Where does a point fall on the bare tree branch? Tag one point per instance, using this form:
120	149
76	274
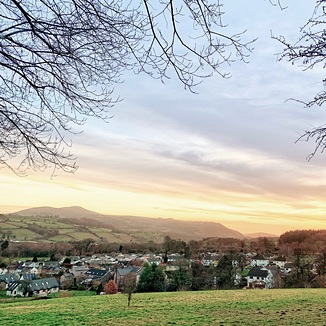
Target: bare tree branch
59	61
309	51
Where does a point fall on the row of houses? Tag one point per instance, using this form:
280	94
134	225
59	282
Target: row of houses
42	278
39	287
265	273
257	270
33	280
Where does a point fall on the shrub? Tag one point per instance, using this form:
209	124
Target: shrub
64	294
111	287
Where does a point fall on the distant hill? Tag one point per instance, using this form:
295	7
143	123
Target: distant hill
70	212
77	222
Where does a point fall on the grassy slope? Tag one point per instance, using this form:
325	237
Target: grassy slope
17	227
252	307
30	228
186	230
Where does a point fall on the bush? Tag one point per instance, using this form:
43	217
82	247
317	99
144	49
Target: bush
111	287
64	294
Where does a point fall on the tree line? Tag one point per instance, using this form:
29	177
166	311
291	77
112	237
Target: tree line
305	249
309	241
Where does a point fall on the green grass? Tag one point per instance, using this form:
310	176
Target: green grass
82	235
108	236
123	237
96	230
61	237
24	234
147	236
69	229
104	233
243	307
8	225
65	230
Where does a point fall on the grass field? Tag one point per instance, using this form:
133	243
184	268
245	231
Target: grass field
21	228
243	307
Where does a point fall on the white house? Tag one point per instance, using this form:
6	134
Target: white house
279	261
259	261
259	277
79	270
207	260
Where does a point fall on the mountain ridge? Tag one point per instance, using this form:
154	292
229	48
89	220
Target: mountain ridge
185	230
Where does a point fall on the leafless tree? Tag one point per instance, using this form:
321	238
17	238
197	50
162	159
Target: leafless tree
310	52
130	285
59	61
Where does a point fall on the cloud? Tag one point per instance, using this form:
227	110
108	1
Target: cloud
225	153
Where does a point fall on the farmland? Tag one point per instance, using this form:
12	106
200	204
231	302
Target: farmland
55	229
48	224
238	307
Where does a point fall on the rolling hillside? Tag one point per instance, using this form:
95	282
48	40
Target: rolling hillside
76	223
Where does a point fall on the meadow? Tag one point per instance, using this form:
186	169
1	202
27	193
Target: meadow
235	307
37	228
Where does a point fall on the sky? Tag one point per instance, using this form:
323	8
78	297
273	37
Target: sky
226	154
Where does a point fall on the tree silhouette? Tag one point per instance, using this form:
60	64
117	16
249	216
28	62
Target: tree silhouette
309	52
59	62
4	245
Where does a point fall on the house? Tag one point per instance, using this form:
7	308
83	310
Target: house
122	273
120	258
67	280
39	287
210	259
288	267
96	273
5	279
27	276
153	260
175	261
279	261
28	268
174	258
93	277
259	277
259	260
3	270
79	270
50	269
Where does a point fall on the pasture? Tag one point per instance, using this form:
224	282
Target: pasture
236	307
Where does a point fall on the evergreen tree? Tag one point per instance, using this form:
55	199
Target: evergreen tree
152	279
180	280
224	274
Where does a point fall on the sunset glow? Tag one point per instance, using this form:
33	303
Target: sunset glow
227	154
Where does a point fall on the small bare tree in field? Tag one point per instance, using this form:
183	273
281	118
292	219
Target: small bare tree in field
130	285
